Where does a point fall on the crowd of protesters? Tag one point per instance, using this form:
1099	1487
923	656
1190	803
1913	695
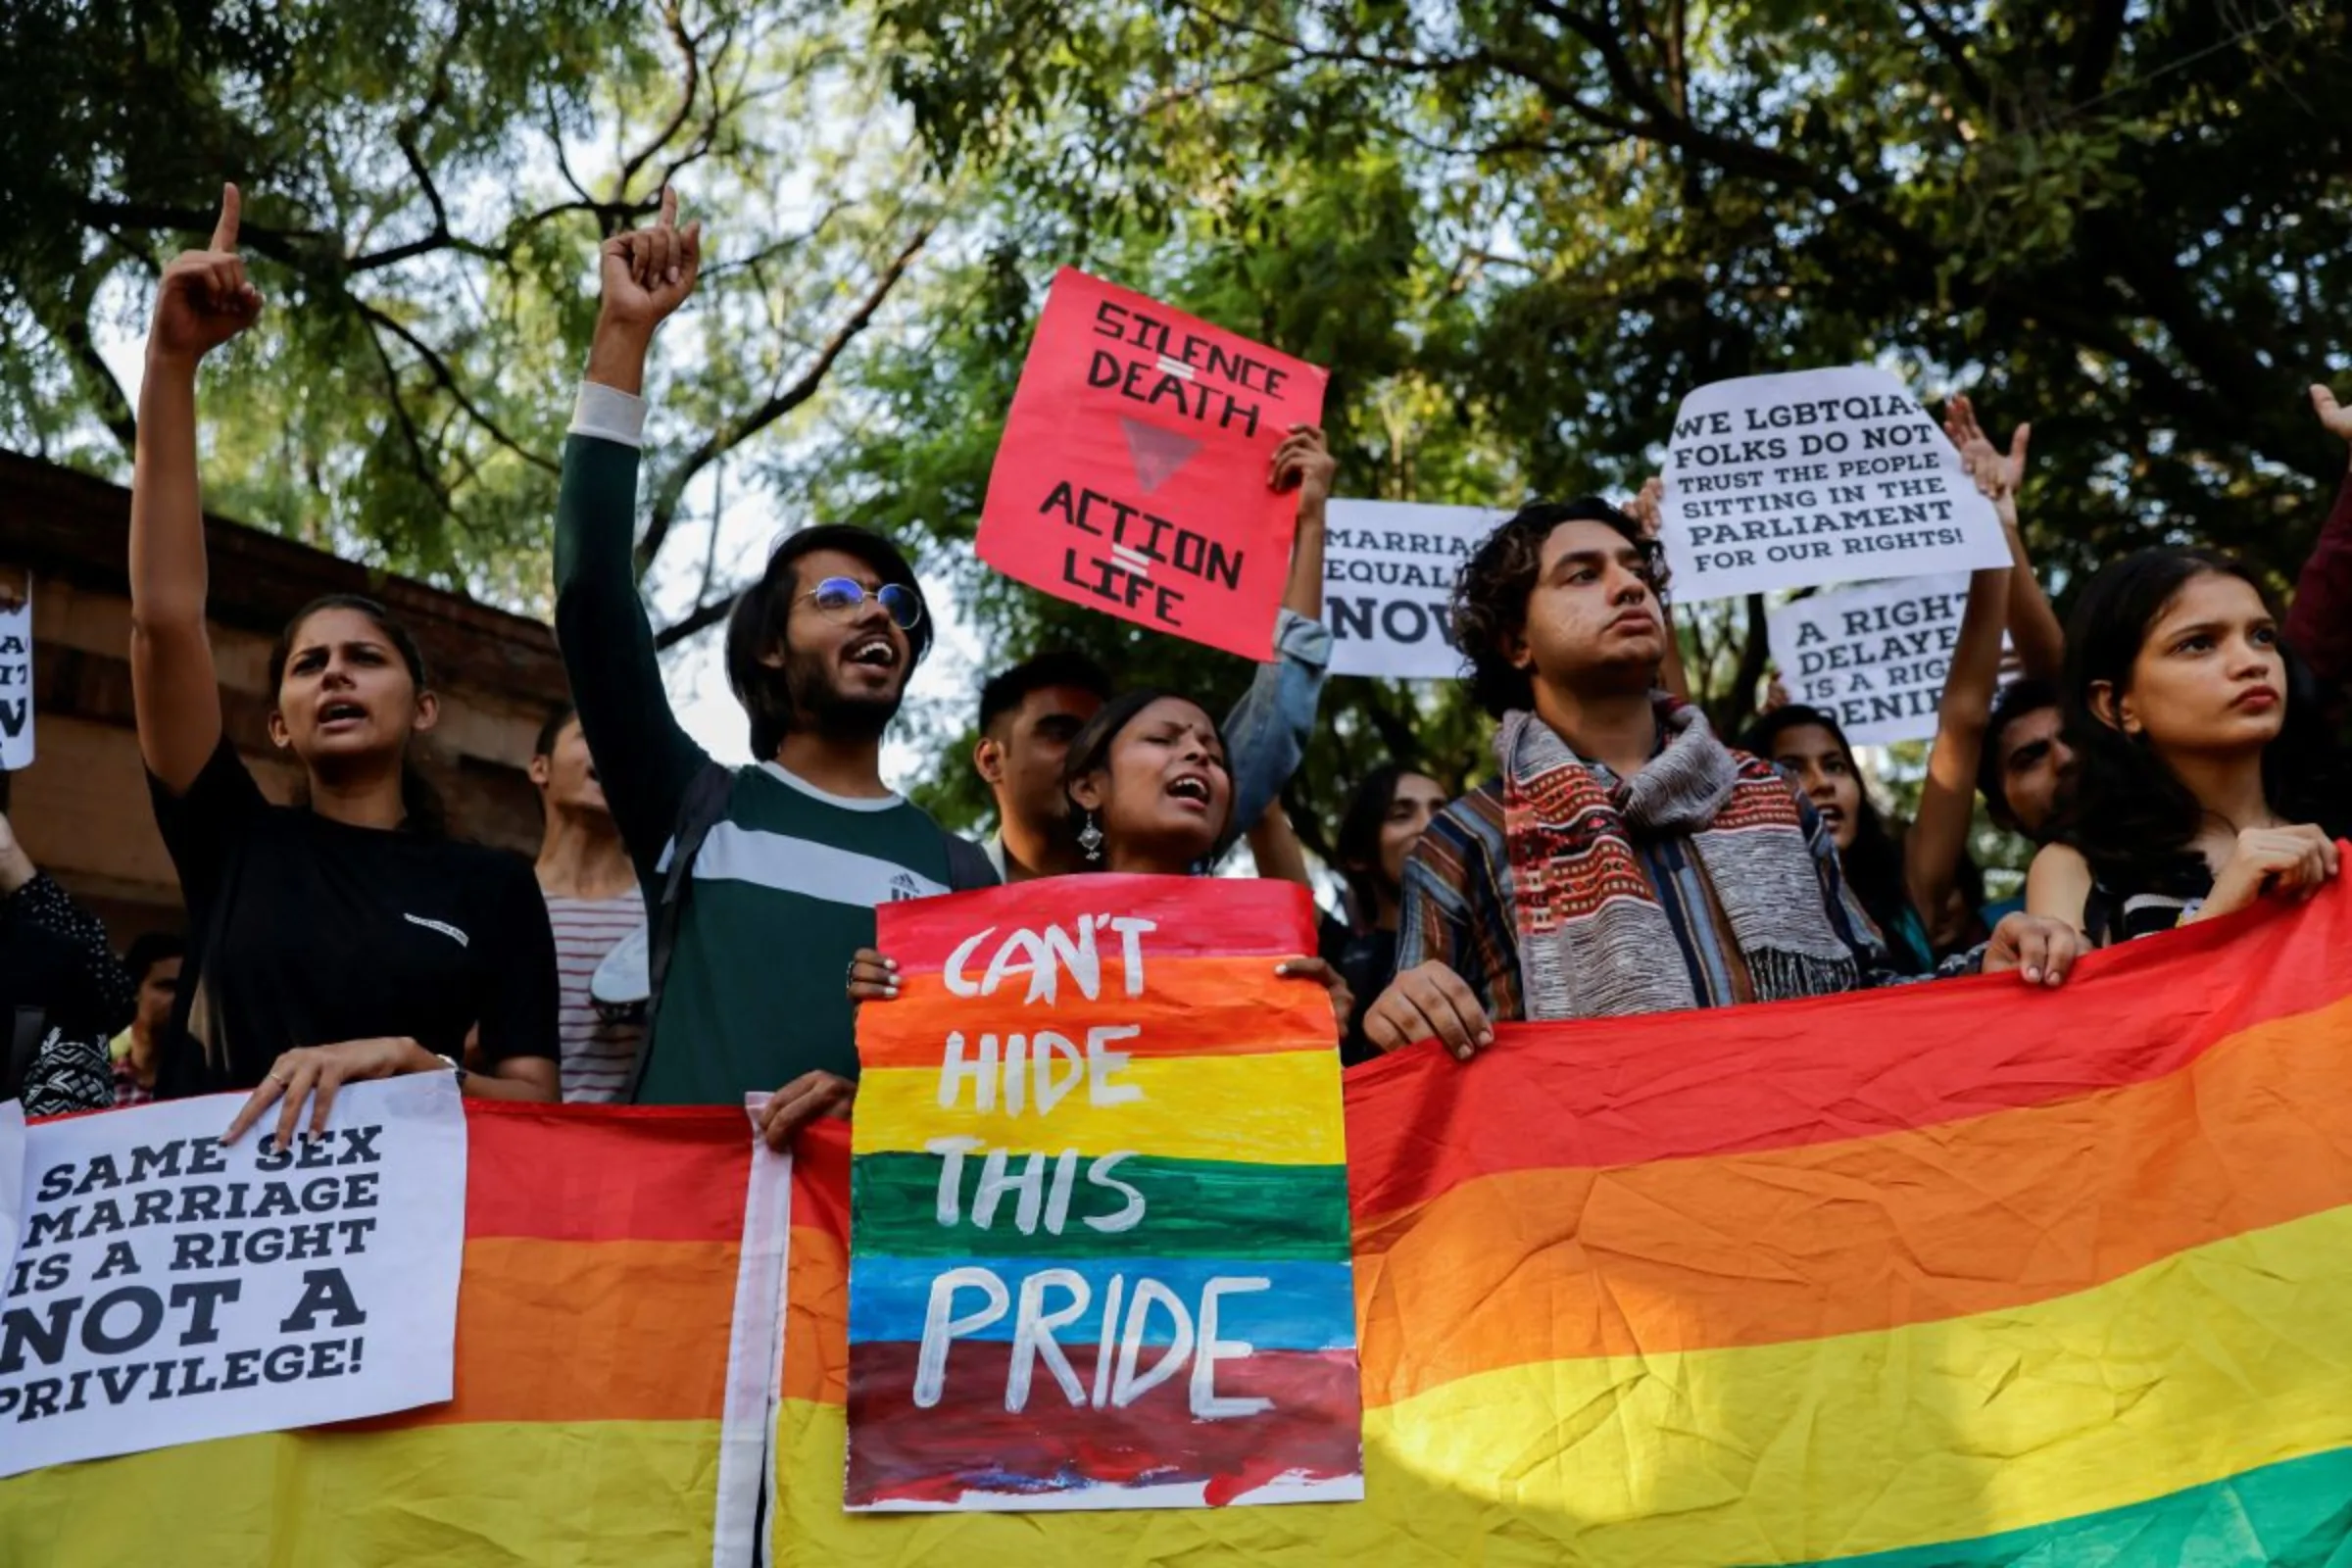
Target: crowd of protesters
2173	754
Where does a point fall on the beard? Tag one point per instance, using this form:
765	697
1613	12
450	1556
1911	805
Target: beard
820	704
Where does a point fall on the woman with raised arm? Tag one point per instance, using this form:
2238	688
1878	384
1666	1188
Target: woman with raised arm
348	936
2204	778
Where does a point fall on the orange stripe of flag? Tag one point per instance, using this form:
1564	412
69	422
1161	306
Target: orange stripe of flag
1197	1007
2002	1210
588	1331
817	1318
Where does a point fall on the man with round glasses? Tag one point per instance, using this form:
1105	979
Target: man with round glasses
761	881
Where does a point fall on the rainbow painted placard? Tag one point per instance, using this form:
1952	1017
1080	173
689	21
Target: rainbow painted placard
1100	1207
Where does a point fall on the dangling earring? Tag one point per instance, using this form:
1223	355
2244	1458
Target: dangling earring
1090	839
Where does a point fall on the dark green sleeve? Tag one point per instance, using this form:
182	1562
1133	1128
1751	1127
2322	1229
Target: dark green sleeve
643	758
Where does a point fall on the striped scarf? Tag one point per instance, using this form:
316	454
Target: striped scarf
1593	941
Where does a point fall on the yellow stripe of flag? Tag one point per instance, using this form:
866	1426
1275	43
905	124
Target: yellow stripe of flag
1783	1454
1186	1108
484	1495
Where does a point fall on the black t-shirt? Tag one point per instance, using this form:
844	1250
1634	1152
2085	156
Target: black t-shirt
306	932
1367	961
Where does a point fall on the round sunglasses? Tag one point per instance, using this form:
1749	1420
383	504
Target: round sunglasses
843	596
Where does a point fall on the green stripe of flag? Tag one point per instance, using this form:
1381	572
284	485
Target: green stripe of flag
2296	1511
1191	1208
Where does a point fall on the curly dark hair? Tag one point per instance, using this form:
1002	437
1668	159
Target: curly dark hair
1490	597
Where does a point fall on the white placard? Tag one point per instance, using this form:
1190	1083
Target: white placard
1388	570
166	1290
15	686
1874	655
1819	476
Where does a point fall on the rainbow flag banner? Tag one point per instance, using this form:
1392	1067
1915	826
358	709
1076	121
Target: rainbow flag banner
1099	1201
1958	1274
617	1342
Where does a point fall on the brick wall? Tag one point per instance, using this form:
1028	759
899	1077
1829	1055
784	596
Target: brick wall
81	809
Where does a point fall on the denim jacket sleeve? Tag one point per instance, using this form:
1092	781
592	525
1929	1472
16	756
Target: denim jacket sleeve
1268	729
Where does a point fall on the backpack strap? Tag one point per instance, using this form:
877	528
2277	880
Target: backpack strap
968	867
703	807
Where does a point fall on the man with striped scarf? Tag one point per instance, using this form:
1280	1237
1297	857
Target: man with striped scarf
1623	860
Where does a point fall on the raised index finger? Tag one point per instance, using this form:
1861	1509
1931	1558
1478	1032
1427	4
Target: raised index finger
669	208
224	232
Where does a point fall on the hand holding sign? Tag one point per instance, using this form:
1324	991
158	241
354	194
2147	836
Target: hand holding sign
1304	462
310	1074
203	299
790	1109
1153	466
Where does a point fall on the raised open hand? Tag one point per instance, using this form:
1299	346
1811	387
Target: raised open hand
648	272
2337	419
1997	473
203	299
1960	424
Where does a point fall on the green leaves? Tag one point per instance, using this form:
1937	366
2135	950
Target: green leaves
1519	232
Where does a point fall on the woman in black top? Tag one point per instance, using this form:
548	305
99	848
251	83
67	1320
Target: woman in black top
1386	818
347	937
2203	779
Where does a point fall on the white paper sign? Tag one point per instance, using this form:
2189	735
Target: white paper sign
1820	476
166	1290
16	687
1874	655
1388	570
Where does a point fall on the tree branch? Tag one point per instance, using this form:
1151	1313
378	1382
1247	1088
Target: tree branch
279	244
428	469
734	432
701	618
71	331
689	47
447	378
403	136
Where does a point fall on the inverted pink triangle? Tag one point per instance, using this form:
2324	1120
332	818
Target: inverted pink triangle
1155	452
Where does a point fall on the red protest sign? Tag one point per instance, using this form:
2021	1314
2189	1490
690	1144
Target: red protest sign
1132	477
